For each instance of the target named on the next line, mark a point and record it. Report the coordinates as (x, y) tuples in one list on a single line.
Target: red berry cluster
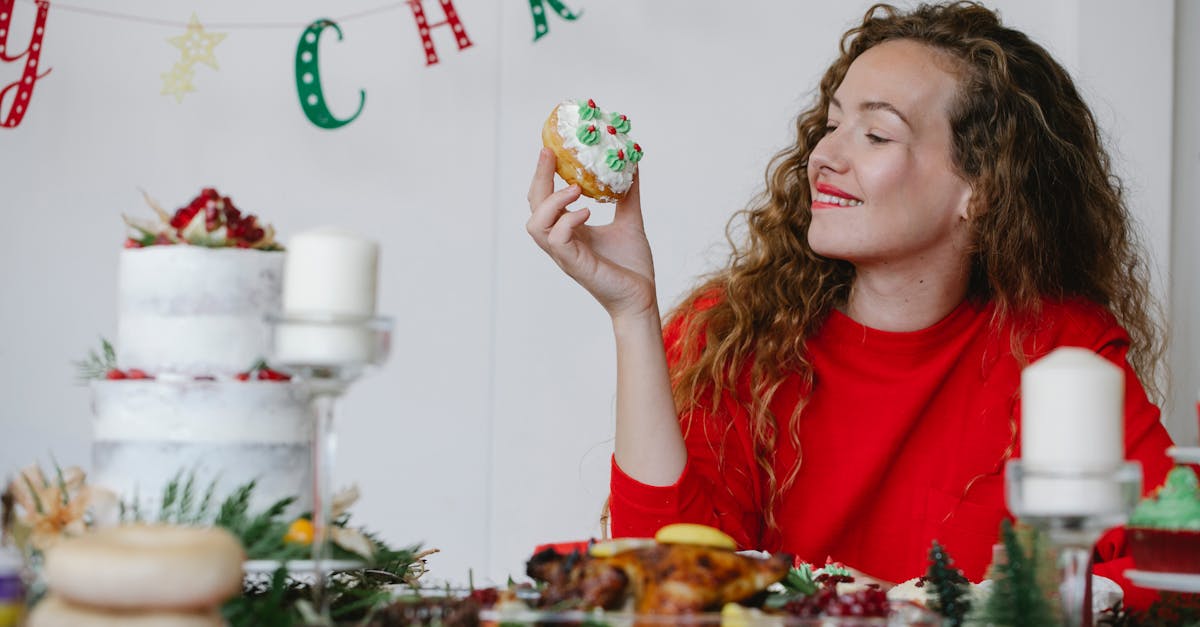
[(262, 373), (241, 231), (487, 597), (868, 602), (131, 373)]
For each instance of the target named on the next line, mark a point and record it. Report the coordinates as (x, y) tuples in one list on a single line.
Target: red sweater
[(903, 441)]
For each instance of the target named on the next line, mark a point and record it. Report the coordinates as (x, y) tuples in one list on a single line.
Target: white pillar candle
[(328, 271), (1072, 412), (1072, 425), (329, 280)]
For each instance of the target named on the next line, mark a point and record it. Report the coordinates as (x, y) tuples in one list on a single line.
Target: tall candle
[(328, 271), (1072, 412), (329, 281), (1072, 432)]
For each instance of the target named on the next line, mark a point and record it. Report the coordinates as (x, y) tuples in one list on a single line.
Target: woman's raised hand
[(611, 261)]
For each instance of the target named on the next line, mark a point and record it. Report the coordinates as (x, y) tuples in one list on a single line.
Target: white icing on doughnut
[(594, 157)]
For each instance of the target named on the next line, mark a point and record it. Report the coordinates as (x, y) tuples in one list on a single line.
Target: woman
[(848, 385)]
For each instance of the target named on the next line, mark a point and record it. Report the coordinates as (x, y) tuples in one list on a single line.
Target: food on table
[(699, 535), (186, 389), (141, 575), (658, 579), (593, 148), (1164, 528)]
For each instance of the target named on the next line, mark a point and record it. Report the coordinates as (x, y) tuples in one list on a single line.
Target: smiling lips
[(828, 196)]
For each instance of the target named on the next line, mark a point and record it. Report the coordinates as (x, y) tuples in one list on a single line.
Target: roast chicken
[(659, 579)]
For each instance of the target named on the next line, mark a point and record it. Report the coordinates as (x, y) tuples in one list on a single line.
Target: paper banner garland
[(29, 77), (538, 9), (308, 78), (195, 46), (423, 26)]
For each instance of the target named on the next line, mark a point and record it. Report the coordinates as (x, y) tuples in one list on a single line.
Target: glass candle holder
[(1072, 508), (328, 352)]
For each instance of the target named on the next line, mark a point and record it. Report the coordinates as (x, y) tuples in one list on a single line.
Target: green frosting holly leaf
[(615, 159), (588, 110), (634, 151), (588, 135), (1175, 506), (619, 122)]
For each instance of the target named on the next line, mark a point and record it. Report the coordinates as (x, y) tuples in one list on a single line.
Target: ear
[(963, 207)]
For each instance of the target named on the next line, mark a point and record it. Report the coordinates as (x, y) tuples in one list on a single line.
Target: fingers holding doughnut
[(543, 179), (629, 208), (548, 212)]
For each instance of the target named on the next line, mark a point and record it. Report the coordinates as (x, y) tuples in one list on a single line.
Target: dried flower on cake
[(210, 220)]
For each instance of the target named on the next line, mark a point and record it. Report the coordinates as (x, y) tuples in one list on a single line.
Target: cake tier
[(225, 433), (195, 310)]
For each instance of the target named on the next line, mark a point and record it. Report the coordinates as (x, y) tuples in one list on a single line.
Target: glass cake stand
[(328, 352)]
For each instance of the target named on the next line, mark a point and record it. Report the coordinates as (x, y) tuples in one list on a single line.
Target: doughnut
[(53, 611), (593, 148), (147, 567)]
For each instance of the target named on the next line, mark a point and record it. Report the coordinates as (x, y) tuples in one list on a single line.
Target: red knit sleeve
[(717, 487)]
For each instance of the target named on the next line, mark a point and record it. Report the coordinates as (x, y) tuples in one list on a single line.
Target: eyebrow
[(875, 105)]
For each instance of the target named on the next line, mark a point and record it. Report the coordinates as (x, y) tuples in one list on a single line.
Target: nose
[(829, 154)]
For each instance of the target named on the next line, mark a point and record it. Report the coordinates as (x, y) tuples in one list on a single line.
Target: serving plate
[(1179, 582), (901, 614), (303, 571), (1185, 454)]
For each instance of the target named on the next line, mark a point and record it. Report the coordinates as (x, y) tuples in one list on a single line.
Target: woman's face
[(883, 185)]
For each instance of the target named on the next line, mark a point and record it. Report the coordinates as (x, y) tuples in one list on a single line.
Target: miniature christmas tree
[(949, 588), (1017, 599)]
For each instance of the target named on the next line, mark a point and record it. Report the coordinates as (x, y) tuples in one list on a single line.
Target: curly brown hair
[(1030, 149)]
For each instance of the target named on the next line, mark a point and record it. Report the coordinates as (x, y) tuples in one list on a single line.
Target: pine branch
[(96, 365), (205, 504), (232, 514), (170, 494), (187, 498)]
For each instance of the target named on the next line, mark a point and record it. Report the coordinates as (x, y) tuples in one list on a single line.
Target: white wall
[(490, 428), (1185, 226)]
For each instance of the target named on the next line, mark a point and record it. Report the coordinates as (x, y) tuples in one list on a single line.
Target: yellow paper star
[(197, 44), (178, 81)]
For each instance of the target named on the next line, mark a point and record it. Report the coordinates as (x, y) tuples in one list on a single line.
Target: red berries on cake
[(210, 219), (261, 372)]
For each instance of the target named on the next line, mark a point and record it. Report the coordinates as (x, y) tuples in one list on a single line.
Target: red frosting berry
[(591, 103), (612, 130), (137, 373), (114, 375)]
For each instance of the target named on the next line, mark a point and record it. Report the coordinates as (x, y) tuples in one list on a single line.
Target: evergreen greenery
[(1017, 599), (283, 601), (97, 364), (949, 588)]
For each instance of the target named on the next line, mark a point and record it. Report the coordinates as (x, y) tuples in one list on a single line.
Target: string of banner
[(197, 46)]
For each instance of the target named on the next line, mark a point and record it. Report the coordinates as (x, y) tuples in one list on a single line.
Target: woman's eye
[(875, 139), (829, 128)]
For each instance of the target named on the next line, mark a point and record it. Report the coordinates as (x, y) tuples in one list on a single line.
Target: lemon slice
[(734, 615), (690, 533), (609, 548)]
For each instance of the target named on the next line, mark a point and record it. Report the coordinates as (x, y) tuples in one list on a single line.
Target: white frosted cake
[(189, 394), (196, 310), (227, 432)]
